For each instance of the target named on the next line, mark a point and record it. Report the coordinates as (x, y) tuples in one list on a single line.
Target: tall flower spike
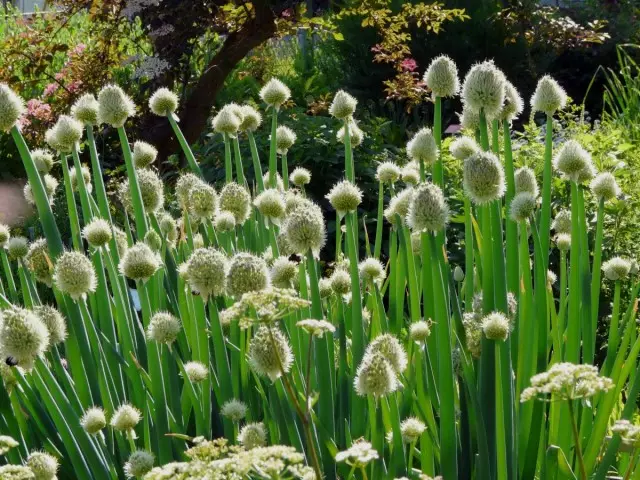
[(206, 272), (344, 197), (484, 89), (115, 106), (139, 262), (343, 105), (144, 154), (85, 109), (270, 353), (163, 102), (285, 138), (483, 178), (23, 336), (247, 273), (74, 275), (442, 77), (275, 93), (525, 181), (11, 108), (548, 97), (428, 209), (422, 147)]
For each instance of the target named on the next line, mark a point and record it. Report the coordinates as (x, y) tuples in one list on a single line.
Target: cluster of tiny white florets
[(300, 177), (139, 262), (399, 206), (304, 228), (114, 106), (345, 197), (356, 135), (629, 433), (359, 454), (388, 173), (463, 147), (316, 327), (549, 96), (23, 336), (125, 419), (227, 121), (283, 272), (196, 371), (483, 89), (163, 102), (343, 105), (270, 203), (235, 198), (253, 435), (163, 328), (54, 321), (566, 381), (246, 273), (11, 108), (270, 353), (383, 361), (7, 443), (140, 463), (496, 326), (442, 77), (525, 181), (43, 465), (43, 160), (144, 154), (206, 272), (39, 262), (419, 331), (97, 232), (604, 186), (274, 93), (203, 201), (562, 222), (85, 109), (483, 178), (522, 206), (93, 420), (616, 268), (17, 247), (235, 410), (422, 147), (74, 275), (251, 119), (573, 160), (428, 209), (151, 191), (513, 104)]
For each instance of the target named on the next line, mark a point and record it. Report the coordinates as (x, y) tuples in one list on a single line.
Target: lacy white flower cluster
[(629, 433), (134, 7), (566, 381), (151, 67), (269, 305)]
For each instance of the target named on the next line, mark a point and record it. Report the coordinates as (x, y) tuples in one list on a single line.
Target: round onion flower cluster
[(125, 419), (616, 268), (412, 429), (549, 96), (274, 93), (372, 270), (17, 248), (235, 198), (566, 381), (422, 147), (375, 376), (270, 204), (562, 222), (97, 232), (163, 328), (203, 201), (11, 108), (428, 209), (139, 262), (525, 181), (513, 104), (38, 261), (43, 465), (153, 240), (419, 331), (463, 147), (168, 228), (469, 120), (563, 242), (85, 109), (151, 191), (283, 273), (343, 106), (43, 160), (604, 186), (522, 206), (345, 197), (23, 336), (483, 178), (67, 132), (316, 327), (270, 353), (184, 184), (399, 206), (224, 222), (54, 321), (139, 464), (304, 229), (206, 271), (7, 443), (572, 160), (227, 121), (388, 172), (86, 177), (253, 435), (235, 410), (93, 420), (163, 102), (629, 433), (340, 282), (5, 235), (114, 106), (484, 89), (285, 138), (300, 177), (144, 154), (251, 119), (496, 326), (74, 275), (356, 135), (197, 372), (442, 77), (247, 273), (390, 348), (50, 186), (359, 454)]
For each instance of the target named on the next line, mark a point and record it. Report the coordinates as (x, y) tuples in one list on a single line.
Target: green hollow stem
[(597, 264), (614, 333), (511, 227), (469, 278), (438, 171), (377, 248), (191, 159), (273, 155), (136, 195), (238, 158), (255, 157), (573, 321), (228, 165), (285, 171), (101, 193), (545, 215), (71, 205), (576, 440)]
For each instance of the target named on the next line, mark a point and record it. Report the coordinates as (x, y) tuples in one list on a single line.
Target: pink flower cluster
[(73, 86), (36, 110)]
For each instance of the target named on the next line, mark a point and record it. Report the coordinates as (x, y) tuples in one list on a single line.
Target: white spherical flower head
[(86, 177), (153, 240), (50, 186), (375, 376), (390, 348), (442, 77), (5, 235), (300, 177), (422, 147), (184, 184), (139, 464), (270, 203), (85, 109), (247, 273), (399, 206), (616, 268), (483, 178), (428, 209), (345, 197), (562, 222), (372, 270), (513, 104), (235, 410), (469, 120), (484, 89), (275, 93), (54, 321), (228, 120), (359, 454), (236, 199), (340, 282), (151, 191), (74, 275), (285, 138), (572, 160), (604, 186), (7, 443), (139, 262), (552, 278), (43, 465), (270, 353), (206, 272), (163, 102), (43, 160), (144, 154), (125, 418), (388, 173), (163, 328), (168, 228), (11, 108), (356, 135), (251, 119), (50, 139), (525, 181), (463, 147), (17, 248), (343, 105), (224, 222), (412, 429), (203, 201), (68, 132), (97, 232), (549, 96), (283, 273), (304, 229), (419, 331), (563, 242), (253, 435), (197, 372), (522, 206), (39, 262), (23, 336), (411, 173), (115, 106), (496, 326)]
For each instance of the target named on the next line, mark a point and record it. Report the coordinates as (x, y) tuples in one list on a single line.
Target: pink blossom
[(78, 49), (409, 64), (38, 109), (49, 89), (58, 76), (74, 86)]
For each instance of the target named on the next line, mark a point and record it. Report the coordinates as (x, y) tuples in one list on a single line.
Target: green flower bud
[(427, 209), (304, 229), (442, 77), (525, 181), (39, 262), (548, 97), (163, 102), (253, 435), (206, 272), (463, 147), (522, 207), (234, 410), (43, 465), (343, 105), (85, 109), (562, 222), (270, 353), (140, 462), (275, 93), (139, 262), (97, 232), (604, 186), (11, 108), (247, 273), (375, 376), (93, 420), (616, 268), (74, 275), (17, 248), (144, 154), (23, 336), (484, 89), (114, 106), (483, 178), (285, 138), (422, 147), (43, 160), (196, 372), (345, 197), (54, 321), (236, 199)]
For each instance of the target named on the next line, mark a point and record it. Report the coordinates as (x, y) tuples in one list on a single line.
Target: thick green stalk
[(9, 274), (238, 158), (228, 166), (573, 321), (101, 193), (255, 157), (468, 256), (87, 214), (614, 333), (191, 159), (511, 227), (545, 215), (597, 264), (576, 440), (285, 171), (377, 249), (348, 154), (134, 186), (71, 205), (273, 154), (438, 172)]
